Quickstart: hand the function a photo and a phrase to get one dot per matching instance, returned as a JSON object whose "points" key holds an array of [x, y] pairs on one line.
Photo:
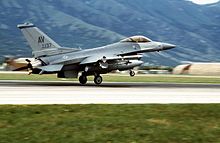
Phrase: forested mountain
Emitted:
{"points": [[195, 29]]}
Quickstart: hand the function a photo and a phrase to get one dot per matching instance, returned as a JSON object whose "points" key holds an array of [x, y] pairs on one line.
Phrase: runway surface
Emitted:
{"points": [[67, 92]]}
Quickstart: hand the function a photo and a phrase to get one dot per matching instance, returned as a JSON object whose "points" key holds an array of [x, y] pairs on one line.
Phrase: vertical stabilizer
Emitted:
{"points": [[40, 43]]}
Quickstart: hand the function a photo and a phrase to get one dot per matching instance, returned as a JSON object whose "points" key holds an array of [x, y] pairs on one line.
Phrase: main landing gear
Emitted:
{"points": [[83, 79], [98, 79], [132, 73]]}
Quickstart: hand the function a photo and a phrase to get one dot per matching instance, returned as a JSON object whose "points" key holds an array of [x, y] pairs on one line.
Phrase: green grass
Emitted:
{"points": [[110, 123], [163, 78], [14, 76], [120, 78]]}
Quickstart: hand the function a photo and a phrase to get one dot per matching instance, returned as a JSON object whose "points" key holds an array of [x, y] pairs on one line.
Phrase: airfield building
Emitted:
{"points": [[209, 69]]}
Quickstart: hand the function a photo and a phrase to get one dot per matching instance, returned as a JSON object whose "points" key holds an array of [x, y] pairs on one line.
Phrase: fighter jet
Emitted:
{"points": [[51, 58]]}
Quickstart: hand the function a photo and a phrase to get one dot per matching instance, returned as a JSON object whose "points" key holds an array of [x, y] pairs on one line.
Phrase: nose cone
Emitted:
{"points": [[167, 46]]}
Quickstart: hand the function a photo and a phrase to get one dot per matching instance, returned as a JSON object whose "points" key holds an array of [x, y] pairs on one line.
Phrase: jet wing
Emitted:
{"points": [[133, 57], [91, 59], [94, 59]]}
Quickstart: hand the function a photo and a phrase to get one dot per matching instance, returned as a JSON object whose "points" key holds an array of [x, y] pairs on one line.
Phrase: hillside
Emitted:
{"points": [[87, 23]]}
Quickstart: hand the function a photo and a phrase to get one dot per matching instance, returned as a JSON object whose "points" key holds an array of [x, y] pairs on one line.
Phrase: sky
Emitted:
{"points": [[204, 1]]}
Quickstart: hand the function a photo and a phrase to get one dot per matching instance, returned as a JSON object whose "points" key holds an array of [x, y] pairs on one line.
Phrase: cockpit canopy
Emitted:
{"points": [[137, 39]]}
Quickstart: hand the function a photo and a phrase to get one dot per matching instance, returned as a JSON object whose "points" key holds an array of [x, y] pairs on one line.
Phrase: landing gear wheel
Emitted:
{"points": [[132, 73], [83, 79], [98, 80]]}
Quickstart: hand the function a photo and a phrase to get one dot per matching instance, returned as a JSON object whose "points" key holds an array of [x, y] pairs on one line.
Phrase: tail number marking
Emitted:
{"points": [[41, 41], [46, 45]]}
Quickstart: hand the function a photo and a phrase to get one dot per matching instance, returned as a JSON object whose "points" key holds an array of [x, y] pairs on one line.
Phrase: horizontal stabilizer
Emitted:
{"points": [[51, 68]]}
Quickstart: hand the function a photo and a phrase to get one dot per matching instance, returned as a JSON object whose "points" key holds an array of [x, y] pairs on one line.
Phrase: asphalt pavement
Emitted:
{"points": [[68, 92]]}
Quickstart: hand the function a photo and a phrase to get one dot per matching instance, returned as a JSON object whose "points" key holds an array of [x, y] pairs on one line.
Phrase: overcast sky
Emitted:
{"points": [[204, 1]]}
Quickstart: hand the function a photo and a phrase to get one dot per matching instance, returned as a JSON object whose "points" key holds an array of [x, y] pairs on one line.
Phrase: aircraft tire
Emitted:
{"points": [[132, 73], [98, 80], [83, 79]]}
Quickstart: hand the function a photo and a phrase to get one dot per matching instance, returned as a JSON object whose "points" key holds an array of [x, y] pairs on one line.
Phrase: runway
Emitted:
{"points": [[68, 92]]}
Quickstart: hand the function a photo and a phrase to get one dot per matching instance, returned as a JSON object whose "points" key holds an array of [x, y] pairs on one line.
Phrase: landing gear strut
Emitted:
{"points": [[132, 73], [98, 79], [83, 79]]}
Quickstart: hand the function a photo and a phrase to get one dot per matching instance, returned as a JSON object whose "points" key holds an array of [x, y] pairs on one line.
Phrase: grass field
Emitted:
{"points": [[110, 124], [120, 78]]}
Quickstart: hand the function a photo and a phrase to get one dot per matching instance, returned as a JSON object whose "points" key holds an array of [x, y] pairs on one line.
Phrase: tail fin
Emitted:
{"points": [[41, 44]]}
